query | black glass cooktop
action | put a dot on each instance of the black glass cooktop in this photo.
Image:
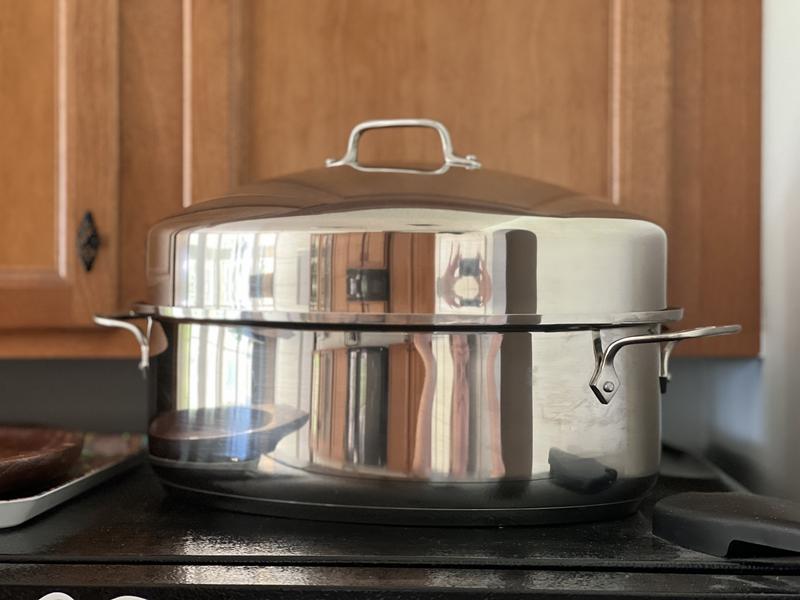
(130, 535)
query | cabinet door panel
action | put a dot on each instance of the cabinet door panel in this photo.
(58, 160)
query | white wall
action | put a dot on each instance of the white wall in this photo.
(781, 245)
(746, 414)
(715, 407)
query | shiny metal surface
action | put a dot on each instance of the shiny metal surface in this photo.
(401, 320)
(387, 341)
(443, 262)
(605, 381)
(433, 420)
(467, 242)
(350, 158)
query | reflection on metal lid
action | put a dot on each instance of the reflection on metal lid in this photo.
(463, 243)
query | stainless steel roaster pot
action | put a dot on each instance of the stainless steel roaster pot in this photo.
(399, 345)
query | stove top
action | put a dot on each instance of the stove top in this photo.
(132, 528)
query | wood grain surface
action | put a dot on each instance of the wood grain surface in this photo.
(645, 103)
(654, 105)
(59, 150)
(715, 209)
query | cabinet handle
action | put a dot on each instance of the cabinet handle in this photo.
(88, 241)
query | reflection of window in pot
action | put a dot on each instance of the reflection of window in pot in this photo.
(261, 286)
(467, 287)
(469, 267)
(465, 282)
(467, 291)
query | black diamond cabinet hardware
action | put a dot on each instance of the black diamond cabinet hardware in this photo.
(88, 241)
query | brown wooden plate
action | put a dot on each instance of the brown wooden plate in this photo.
(33, 456)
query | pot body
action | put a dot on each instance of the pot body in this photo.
(406, 426)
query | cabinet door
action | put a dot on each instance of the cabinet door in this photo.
(58, 169)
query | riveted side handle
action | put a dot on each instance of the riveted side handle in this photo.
(123, 321)
(605, 381)
(451, 159)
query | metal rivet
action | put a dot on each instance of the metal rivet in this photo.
(608, 386)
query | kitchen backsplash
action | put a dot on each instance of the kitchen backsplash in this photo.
(100, 395)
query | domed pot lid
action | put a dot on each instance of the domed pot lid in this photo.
(454, 244)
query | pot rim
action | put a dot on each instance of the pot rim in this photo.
(402, 321)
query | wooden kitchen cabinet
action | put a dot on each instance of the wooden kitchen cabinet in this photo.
(59, 164)
(132, 109)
